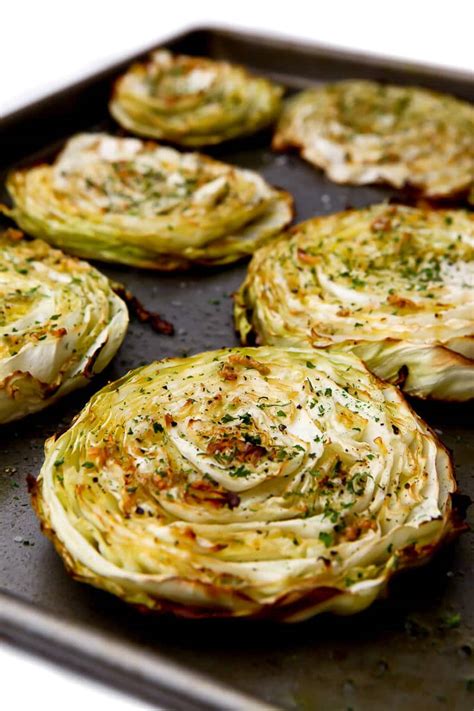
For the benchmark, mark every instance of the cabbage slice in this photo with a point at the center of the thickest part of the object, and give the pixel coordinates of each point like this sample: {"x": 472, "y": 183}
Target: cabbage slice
{"x": 246, "y": 482}
{"x": 363, "y": 132}
{"x": 393, "y": 284}
{"x": 129, "y": 201}
{"x": 193, "y": 101}
{"x": 60, "y": 324}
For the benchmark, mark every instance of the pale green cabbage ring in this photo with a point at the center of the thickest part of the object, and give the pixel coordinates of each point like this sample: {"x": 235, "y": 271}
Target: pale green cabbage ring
{"x": 259, "y": 554}
{"x": 362, "y": 132}
{"x": 428, "y": 350}
{"x": 62, "y": 324}
{"x": 56, "y": 203}
{"x": 230, "y": 103}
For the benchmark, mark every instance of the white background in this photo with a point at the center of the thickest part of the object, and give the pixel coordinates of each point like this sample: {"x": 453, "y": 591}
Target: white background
{"x": 47, "y": 43}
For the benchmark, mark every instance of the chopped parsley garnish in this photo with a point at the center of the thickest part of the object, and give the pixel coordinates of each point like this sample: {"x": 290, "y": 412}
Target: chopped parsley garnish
{"x": 252, "y": 439}
{"x": 326, "y": 538}
{"x": 240, "y": 472}
{"x": 451, "y": 620}
{"x": 246, "y": 418}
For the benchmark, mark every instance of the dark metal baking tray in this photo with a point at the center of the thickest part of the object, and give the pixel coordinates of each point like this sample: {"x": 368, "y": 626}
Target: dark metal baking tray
{"x": 413, "y": 650}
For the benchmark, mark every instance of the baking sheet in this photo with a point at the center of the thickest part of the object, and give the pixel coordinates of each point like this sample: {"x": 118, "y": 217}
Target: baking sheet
{"x": 416, "y": 648}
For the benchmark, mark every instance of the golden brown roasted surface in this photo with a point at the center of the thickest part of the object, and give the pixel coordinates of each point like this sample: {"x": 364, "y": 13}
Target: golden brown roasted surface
{"x": 395, "y": 285}
{"x": 246, "y": 482}
{"x": 363, "y": 132}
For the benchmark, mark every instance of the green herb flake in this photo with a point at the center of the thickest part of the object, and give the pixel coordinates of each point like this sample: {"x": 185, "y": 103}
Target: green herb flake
{"x": 246, "y": 418}
{"x": 240, "y": 472}
{"x": 326, "y": 538}
{"x": 252, "y": 439}
{"x": 451, "y": 620}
